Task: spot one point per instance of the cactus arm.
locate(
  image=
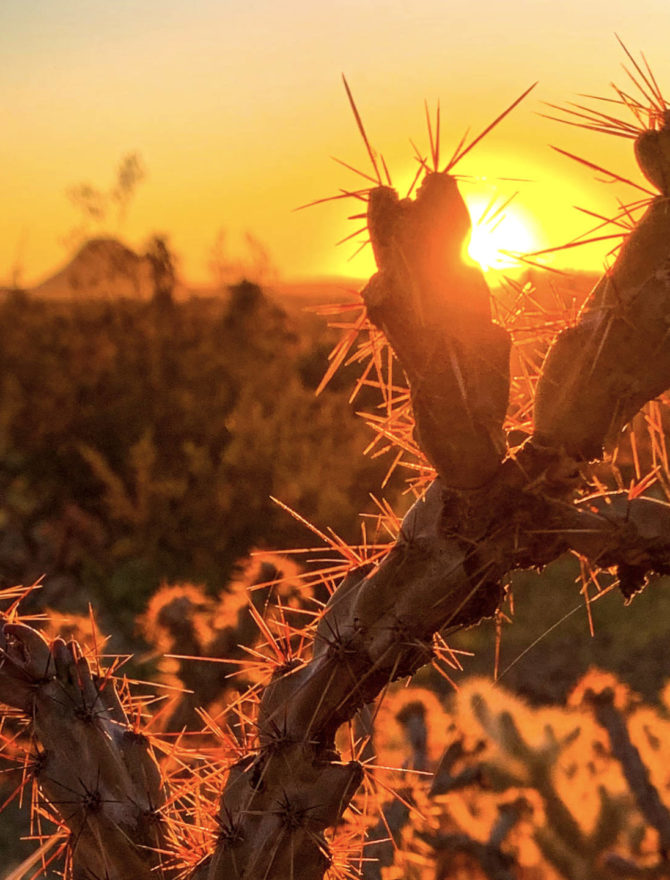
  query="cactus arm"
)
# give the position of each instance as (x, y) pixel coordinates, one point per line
(635, 771)
(599, 373)
(434, 310)
(93, 768)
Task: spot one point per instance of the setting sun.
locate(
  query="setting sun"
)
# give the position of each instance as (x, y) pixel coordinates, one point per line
(499, 231)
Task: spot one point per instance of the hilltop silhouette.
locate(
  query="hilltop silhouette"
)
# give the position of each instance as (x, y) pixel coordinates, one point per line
(103, 268)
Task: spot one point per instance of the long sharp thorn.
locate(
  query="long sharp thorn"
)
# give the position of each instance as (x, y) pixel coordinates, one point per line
(386, 171)
(649, 99)
(356, 170)
(523, 258)
(606, 221)
(414, 181)
(423, 162)
(603, 170)
(641, 73)
(431, 141)
(490, 127)
(498, 211)
(459, 146)
(602, 129)
(573, 244)
(593, 118)
(359, 123)
(358, 250)
(657, 90)
(344, 194)
(351, 235)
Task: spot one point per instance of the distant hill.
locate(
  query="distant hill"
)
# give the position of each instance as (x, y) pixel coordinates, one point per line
(103, 268)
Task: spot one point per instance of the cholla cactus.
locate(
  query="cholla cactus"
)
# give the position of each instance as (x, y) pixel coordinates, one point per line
(552, 753)
(612, 706)
(488, 510)
(203, 642)
(574, 792)
(93, 767)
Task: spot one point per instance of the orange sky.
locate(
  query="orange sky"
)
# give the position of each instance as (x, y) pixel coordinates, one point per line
(235, 109)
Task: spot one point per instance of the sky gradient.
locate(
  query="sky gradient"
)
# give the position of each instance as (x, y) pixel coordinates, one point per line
(235, 109)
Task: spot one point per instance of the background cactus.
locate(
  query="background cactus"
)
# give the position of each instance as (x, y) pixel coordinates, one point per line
(529, 792)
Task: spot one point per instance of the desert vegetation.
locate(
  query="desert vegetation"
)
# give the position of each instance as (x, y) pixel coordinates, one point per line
(216, 402)
(276, 738)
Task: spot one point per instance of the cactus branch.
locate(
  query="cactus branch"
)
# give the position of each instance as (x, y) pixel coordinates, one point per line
(480, 518)
(94, 768)
(608, 715)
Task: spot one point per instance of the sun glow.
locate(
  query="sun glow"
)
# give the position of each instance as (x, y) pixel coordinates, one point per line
(499, 231)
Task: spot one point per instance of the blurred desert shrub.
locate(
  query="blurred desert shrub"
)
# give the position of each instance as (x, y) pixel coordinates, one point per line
(574, 791)
(141, 444)
(209, 650)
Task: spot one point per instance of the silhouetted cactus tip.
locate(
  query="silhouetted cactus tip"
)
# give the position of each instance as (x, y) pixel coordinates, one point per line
(598, 686)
